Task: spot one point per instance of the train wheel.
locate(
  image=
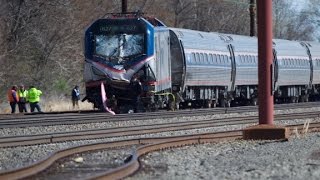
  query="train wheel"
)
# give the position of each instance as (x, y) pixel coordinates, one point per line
(172, 106)
(228, 104)
(214, 105)
(222, 103)
(292, 100)
(254, 101)
(208, 104)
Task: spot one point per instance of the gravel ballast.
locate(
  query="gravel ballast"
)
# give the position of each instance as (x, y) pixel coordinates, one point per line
(16, 157)
(298, 158)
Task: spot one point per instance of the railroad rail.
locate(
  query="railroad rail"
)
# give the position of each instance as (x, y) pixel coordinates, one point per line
(150, 144)
(82, 117)
(141, 129)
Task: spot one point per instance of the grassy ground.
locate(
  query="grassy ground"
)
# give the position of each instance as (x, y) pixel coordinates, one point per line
(50, 105)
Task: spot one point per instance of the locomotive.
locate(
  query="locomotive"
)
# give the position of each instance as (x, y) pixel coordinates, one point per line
(145, 65)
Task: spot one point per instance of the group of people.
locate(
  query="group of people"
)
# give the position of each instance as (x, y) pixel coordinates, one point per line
(22, 96)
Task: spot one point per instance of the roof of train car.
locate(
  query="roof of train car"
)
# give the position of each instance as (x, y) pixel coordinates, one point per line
(193, 39)
(290, 48)
(314, 49)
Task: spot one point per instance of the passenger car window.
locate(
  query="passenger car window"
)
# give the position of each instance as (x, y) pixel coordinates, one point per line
(206, 58)
(215, 60)
(201, 58)
(197, 58)
(193, 58)
(219, 59)
(210, 59)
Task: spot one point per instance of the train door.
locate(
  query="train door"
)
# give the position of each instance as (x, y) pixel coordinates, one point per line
(177, 63)
(310, 61)
(163, 64)
(233, 68)
(274, 72)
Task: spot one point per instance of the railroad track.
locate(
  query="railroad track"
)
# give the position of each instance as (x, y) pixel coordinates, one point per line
(141, 129)
(82, 117)
(132, 164)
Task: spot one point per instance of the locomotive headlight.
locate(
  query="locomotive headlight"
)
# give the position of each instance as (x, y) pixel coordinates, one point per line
(174, 88)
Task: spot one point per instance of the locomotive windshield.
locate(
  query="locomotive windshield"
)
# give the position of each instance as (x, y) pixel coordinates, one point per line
(119, 42)
(119, 45)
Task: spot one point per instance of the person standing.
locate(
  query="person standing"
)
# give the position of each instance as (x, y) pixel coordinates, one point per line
(13, 98)
(75, 96)
(22, 92)
(33, 96)
(136, 92)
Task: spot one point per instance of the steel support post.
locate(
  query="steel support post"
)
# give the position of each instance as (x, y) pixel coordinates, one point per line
(124, 6)
(265, 61)
(266, 129)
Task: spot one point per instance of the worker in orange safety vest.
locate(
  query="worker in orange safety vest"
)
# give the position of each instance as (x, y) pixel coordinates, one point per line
(13, 98)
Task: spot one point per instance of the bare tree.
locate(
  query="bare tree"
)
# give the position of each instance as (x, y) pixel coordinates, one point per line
(289, 23)
(42, 41)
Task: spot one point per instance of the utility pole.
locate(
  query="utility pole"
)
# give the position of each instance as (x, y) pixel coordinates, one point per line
(265, 129)
(124, 6)
(252, 17)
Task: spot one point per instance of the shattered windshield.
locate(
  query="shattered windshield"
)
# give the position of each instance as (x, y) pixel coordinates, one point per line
(119, 45)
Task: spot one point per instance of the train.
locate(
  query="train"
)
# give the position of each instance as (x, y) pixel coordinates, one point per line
(145, 66)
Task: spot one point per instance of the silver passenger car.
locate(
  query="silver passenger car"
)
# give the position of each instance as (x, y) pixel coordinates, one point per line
(207, 64)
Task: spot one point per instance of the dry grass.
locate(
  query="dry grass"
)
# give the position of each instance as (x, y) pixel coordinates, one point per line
(49, 105)
(304, 130)
(64, 105)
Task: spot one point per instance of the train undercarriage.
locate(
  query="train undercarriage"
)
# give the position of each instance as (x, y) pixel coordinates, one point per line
(127, 100)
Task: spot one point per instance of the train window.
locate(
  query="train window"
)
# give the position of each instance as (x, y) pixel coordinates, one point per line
(240, 57)
(193, 59)
(197, 58)
(210, 60)
(220, 59)
(214, 59)
(206, 58)
(226, 59)
(247, 59)
(201, 58)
